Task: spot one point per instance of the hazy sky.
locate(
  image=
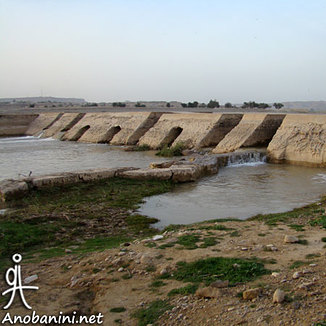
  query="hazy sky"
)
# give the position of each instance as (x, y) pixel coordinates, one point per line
(102, 50)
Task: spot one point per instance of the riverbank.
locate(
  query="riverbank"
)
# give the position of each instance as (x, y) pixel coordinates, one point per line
(91, 253)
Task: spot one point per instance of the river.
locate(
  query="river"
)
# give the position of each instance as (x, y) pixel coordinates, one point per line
(238, 190)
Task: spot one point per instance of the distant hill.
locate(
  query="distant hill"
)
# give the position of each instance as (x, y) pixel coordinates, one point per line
(316, 106)
(42, 99)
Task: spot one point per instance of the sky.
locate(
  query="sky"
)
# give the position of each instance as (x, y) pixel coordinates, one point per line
(184, 50)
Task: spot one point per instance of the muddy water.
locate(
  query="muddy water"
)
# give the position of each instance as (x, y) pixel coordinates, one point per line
(241, 191)
(19, 156)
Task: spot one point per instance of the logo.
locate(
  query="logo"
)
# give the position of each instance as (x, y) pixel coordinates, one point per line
(14, 279)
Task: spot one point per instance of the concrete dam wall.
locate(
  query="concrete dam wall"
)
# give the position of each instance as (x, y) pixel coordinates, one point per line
(292, 138)
(14, 124)
(301, 139)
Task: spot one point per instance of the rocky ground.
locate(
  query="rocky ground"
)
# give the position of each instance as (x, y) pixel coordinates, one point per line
(139, 282)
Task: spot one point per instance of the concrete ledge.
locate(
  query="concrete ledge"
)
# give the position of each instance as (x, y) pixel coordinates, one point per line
(12, 189)
(185, 173)
(147, 174)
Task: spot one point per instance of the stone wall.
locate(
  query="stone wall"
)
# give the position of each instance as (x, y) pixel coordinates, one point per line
(113, 128)
(15, 124)
(42, 122)
(255, 129)
(191, 129)
(301, 139)
(63, 124)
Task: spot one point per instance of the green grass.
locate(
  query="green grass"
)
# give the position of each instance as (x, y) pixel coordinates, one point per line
(118, 309)
(217, 227)
(297, 227)
(320, 221)
(175, 150)
(188, 289)
(312, 256)
(208, 270)
(208, 242)
(46, 222)
(167, 245)
(235, 234)
(152, 313)
(297, 264)
(313, 212)
(157, 284)
(189, 241)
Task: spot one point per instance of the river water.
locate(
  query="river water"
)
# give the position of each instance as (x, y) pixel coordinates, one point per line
(20, 155)
(238, 190)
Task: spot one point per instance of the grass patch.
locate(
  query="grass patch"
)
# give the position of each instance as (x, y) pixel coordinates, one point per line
(118, 309)
(312, 256)
(208, 242)
(46, 222)
(308, 211)
(189, 289)
(217, 227)
(167, 245)
(297, 227)
(208, 270)
(175, 150)
(297, 264)
(157, 284)
(235, 234)
(173, 227)
(189, 241)
(152, 313)
(320, 221)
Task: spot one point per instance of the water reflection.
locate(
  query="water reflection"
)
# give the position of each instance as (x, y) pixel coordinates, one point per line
(240, 191)
(20, 155)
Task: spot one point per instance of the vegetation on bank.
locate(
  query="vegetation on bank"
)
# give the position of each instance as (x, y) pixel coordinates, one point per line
(314, 214)
(88, 216)
(175, 150)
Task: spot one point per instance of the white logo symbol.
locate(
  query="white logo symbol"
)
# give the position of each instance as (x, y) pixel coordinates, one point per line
(16, 282)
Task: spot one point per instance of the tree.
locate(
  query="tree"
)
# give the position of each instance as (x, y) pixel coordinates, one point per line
(212, 104)
(278, 105)
(228, 105)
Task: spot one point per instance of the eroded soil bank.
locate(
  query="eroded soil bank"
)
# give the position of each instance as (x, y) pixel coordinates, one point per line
(92, 254)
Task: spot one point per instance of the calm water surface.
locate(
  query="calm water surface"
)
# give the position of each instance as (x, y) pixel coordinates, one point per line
(19, 156)
(238, 191)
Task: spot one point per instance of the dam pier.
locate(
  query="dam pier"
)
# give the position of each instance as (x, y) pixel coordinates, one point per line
(288, 138)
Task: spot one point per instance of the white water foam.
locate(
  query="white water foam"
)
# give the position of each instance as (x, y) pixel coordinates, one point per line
(246, 159)
(319, 178)
(23, 139)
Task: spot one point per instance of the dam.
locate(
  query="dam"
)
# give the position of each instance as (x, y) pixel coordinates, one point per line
(297, 139)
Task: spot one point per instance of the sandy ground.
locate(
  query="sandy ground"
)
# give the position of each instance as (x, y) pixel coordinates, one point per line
(122, 277)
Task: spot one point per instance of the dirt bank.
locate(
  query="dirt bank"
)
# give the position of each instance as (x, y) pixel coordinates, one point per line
(146, 280)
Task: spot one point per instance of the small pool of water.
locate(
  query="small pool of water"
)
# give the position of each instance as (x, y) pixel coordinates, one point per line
(240, 191)
(20, 155)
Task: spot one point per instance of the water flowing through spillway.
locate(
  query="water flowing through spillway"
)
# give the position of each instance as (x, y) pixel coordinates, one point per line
(245, 187)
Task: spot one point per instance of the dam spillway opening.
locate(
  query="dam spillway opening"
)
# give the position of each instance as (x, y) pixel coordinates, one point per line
(80, 133)
(109, 135)
(173, 134)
